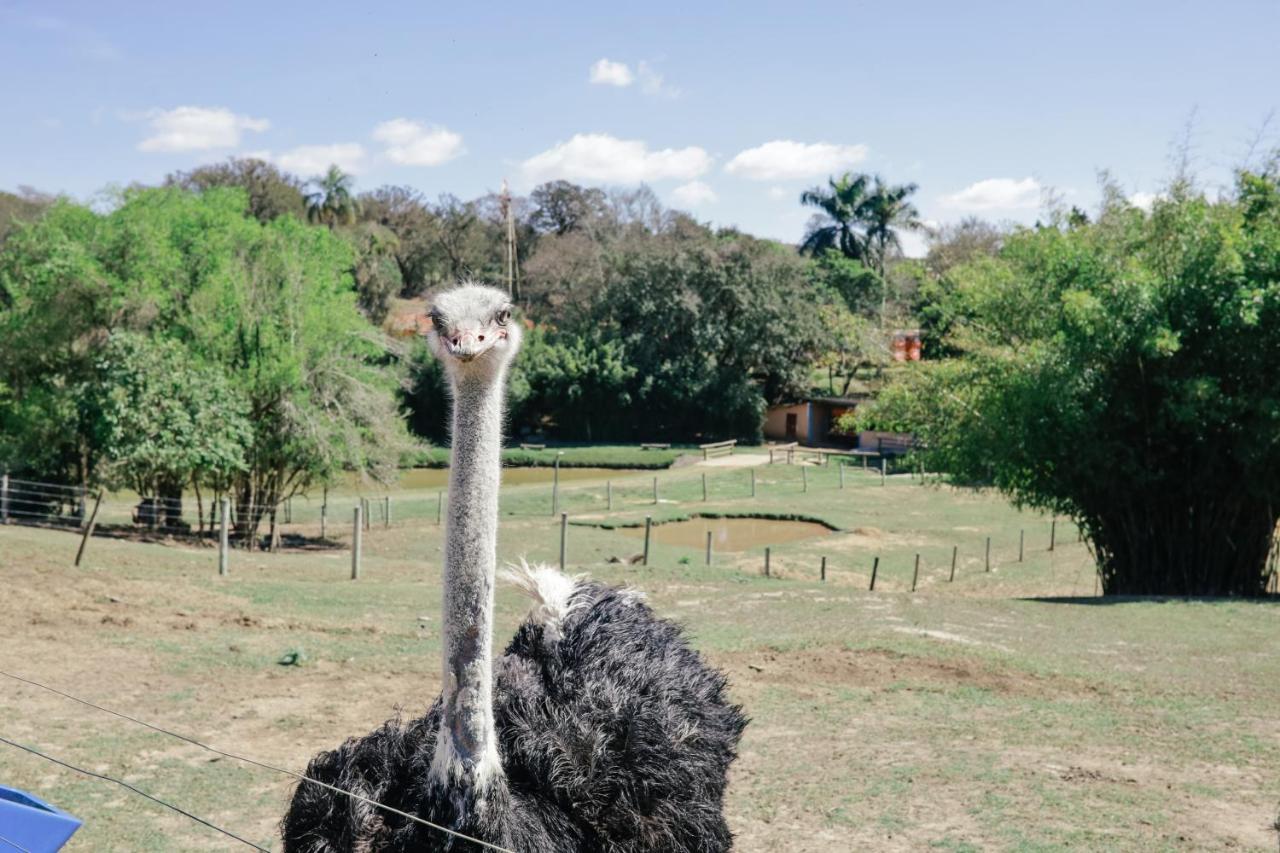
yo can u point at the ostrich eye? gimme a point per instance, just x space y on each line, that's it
437 322
502 316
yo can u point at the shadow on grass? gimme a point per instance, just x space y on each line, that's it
1095 600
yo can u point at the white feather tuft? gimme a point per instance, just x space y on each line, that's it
551 591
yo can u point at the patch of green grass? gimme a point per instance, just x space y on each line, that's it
576 456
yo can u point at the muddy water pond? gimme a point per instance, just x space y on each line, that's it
730 534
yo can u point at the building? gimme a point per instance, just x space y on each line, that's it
810 421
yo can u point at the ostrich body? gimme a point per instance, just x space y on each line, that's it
597 729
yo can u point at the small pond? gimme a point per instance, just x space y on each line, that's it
730 534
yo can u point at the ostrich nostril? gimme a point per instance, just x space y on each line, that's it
481 338
455 341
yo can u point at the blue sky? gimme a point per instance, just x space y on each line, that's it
728 110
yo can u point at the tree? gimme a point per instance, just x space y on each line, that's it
271 306
376 271
715 327
861 289
841 225
406 214
560 207
851 343
1121 372
332 202
163 422
271 192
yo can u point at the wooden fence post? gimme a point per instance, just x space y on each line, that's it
766 562
915 576
883 464
708 547
842 475
224 536
988 553
555 486
875 567
324 518
954 550
1022 538
1053 532
822 572
386 511
564 533
608 494
704 486
753 481
88 528
655 490
439 505
368 514
648 525
357 529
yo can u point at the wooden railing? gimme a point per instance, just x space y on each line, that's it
718 448
783 448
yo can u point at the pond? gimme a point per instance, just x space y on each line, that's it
730 534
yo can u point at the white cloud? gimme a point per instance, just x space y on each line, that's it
197 128
1143 200
996 194
310 160
779 193
412 143
600 158
693 194
784 159
606 72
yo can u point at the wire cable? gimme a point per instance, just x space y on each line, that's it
256 763
137 791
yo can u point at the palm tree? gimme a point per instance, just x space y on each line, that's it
841 223
332 203
884 213
862 218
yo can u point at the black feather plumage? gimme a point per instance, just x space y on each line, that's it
617 736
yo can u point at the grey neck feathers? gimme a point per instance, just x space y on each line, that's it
466 748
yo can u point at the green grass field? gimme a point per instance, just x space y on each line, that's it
1004 710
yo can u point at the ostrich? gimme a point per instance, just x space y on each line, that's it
598 729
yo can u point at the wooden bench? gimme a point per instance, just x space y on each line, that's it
655 445
718 448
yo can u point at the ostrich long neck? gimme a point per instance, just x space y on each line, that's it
466 749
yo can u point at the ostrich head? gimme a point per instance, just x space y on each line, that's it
473 332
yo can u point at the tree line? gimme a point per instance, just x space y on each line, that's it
222 334
1120 370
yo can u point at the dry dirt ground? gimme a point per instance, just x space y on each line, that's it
988 714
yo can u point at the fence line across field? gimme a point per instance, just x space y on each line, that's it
33 500
209 527
235 757
636 491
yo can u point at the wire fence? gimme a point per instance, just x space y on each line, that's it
331 520
301 778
